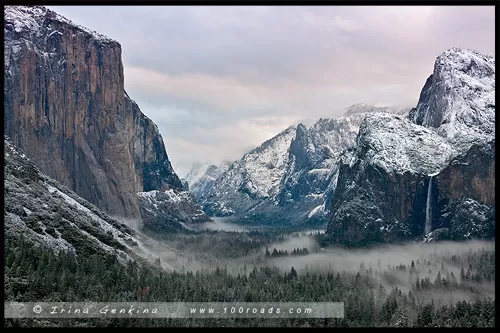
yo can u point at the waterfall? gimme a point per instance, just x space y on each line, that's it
428 217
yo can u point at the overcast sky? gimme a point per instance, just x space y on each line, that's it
220 80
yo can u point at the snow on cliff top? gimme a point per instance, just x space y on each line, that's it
259 170
470 77
468 107
31 18
461 60
398 145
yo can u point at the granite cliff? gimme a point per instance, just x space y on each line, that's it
65 105
428 175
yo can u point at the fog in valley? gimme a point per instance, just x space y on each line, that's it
238 250
221 224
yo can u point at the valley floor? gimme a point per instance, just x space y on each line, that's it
442 284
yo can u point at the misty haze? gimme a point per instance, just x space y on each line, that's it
257 155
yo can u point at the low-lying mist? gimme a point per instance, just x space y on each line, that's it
391 265
402 266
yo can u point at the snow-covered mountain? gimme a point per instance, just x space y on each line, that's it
430 173
202 175
250 180
382 182
310 176
458 99
397 145
197 171
289 178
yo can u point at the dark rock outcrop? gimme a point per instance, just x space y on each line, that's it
364 214
170 210
465 194
152 167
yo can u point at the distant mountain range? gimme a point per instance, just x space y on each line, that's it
289 179
378 173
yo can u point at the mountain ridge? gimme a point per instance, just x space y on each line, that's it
302 176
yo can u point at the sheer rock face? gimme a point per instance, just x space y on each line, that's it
465 194
65 106
152 166
382 185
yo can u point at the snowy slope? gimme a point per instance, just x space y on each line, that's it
30 19
289 177
49 214
256 176
170 210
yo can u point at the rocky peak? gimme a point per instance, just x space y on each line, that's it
299 146
254 177
466 61
197 171
458 99
201 177
433 172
